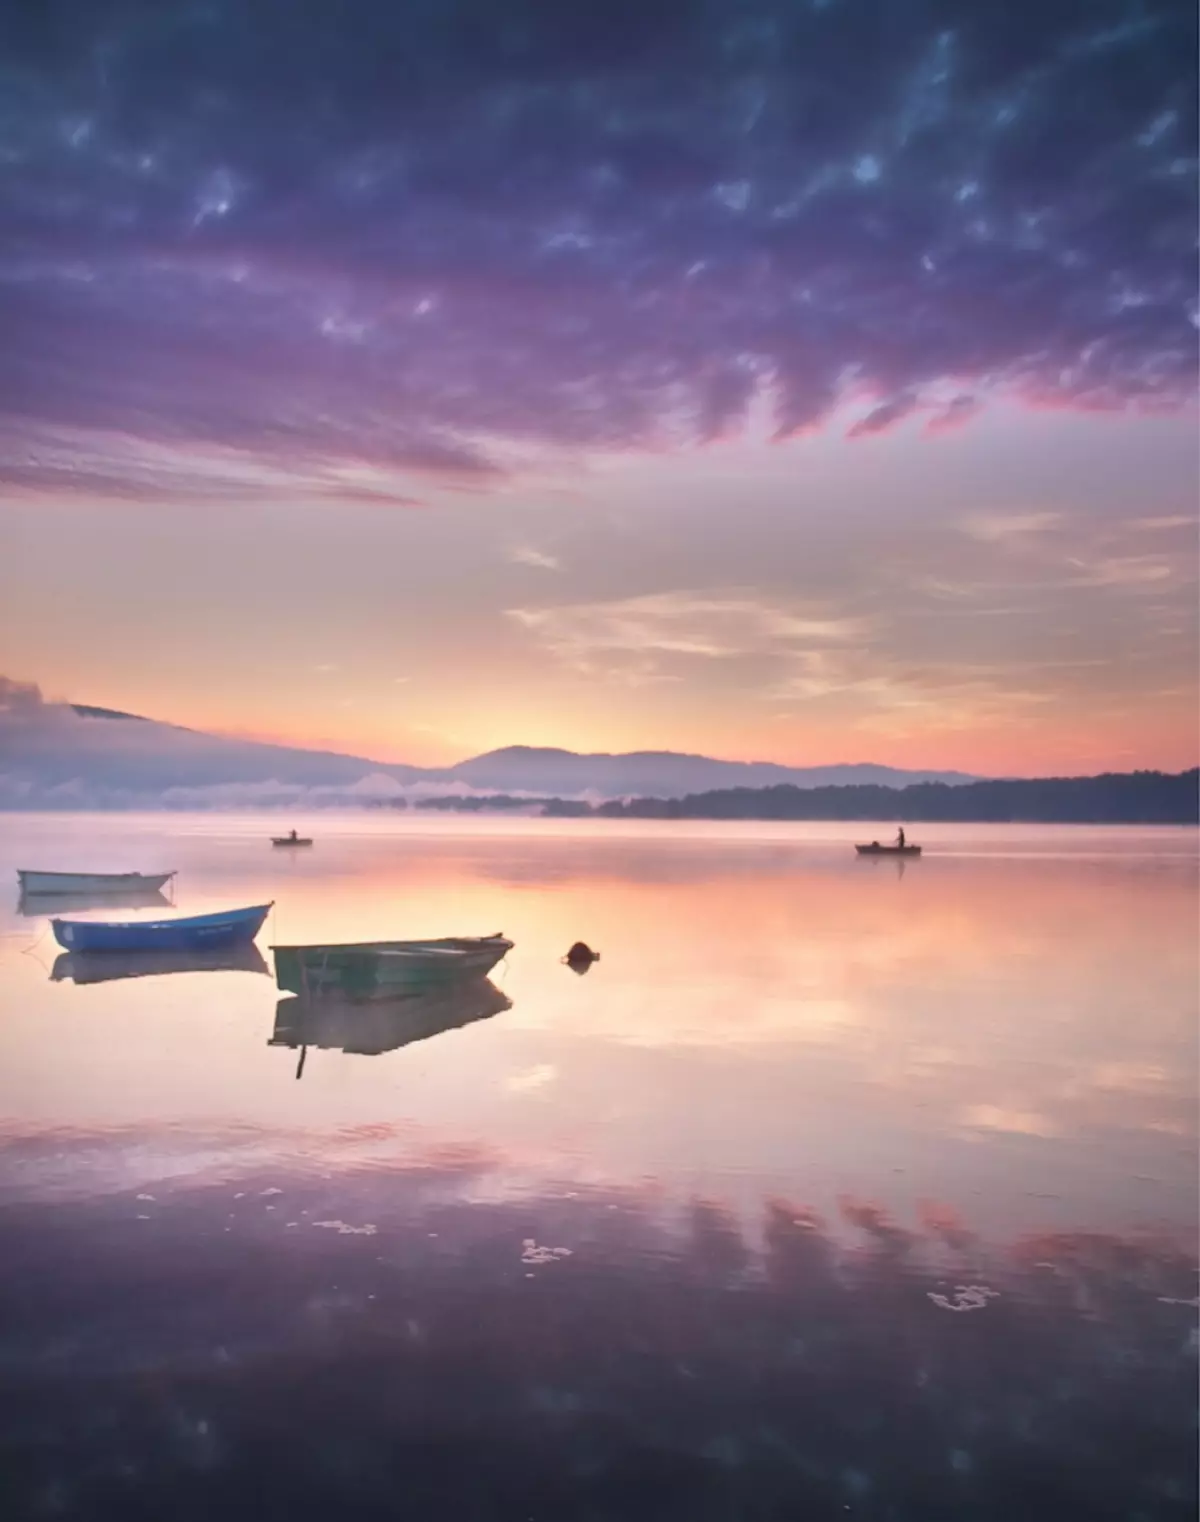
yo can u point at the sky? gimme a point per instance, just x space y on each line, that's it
798 382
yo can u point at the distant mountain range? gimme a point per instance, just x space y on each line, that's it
78 755
661 774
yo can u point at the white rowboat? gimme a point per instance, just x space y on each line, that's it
92 882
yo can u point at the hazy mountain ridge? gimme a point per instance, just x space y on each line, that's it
78 755
663 774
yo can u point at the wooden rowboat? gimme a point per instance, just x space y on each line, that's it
98 883
384 969
196 932
875 849
291 840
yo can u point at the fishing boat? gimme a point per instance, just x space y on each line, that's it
45 905
291 840
194 932
98 883
107 966
369 1029
383 969
875 849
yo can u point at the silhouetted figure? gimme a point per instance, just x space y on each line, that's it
900 837
293 836
580 957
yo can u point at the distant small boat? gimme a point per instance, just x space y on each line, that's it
195 932
875 849
291 840
92 882
384 969
106 966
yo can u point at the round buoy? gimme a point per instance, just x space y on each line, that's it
580 957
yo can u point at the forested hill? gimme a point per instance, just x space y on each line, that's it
1115 798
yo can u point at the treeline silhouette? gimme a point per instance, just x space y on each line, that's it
1113 798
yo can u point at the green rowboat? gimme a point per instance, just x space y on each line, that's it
384 969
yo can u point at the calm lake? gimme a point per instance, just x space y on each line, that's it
836 1188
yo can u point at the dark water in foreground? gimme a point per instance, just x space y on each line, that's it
831 1191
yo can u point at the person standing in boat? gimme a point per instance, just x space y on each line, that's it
900 837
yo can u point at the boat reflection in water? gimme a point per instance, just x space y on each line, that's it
38 905
368 1028
107 966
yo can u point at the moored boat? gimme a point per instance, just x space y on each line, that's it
106 966
383 969
875 849
195 932
97 883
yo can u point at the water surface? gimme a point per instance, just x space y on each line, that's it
834 1188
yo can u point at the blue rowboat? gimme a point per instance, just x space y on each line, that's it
196 932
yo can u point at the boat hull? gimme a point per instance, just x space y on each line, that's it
874 850
283 841
97 883
384 969
194 933
46 905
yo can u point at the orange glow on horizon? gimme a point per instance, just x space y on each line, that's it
1044 751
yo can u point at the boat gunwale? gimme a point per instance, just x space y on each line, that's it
444 943
183 921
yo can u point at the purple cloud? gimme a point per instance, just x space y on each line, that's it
955 414
885 416
435 242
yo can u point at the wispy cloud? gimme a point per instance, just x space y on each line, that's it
1121 571
1160 525
1009 528
885 416
956 413
539 559
706 626
127 463
531 1079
